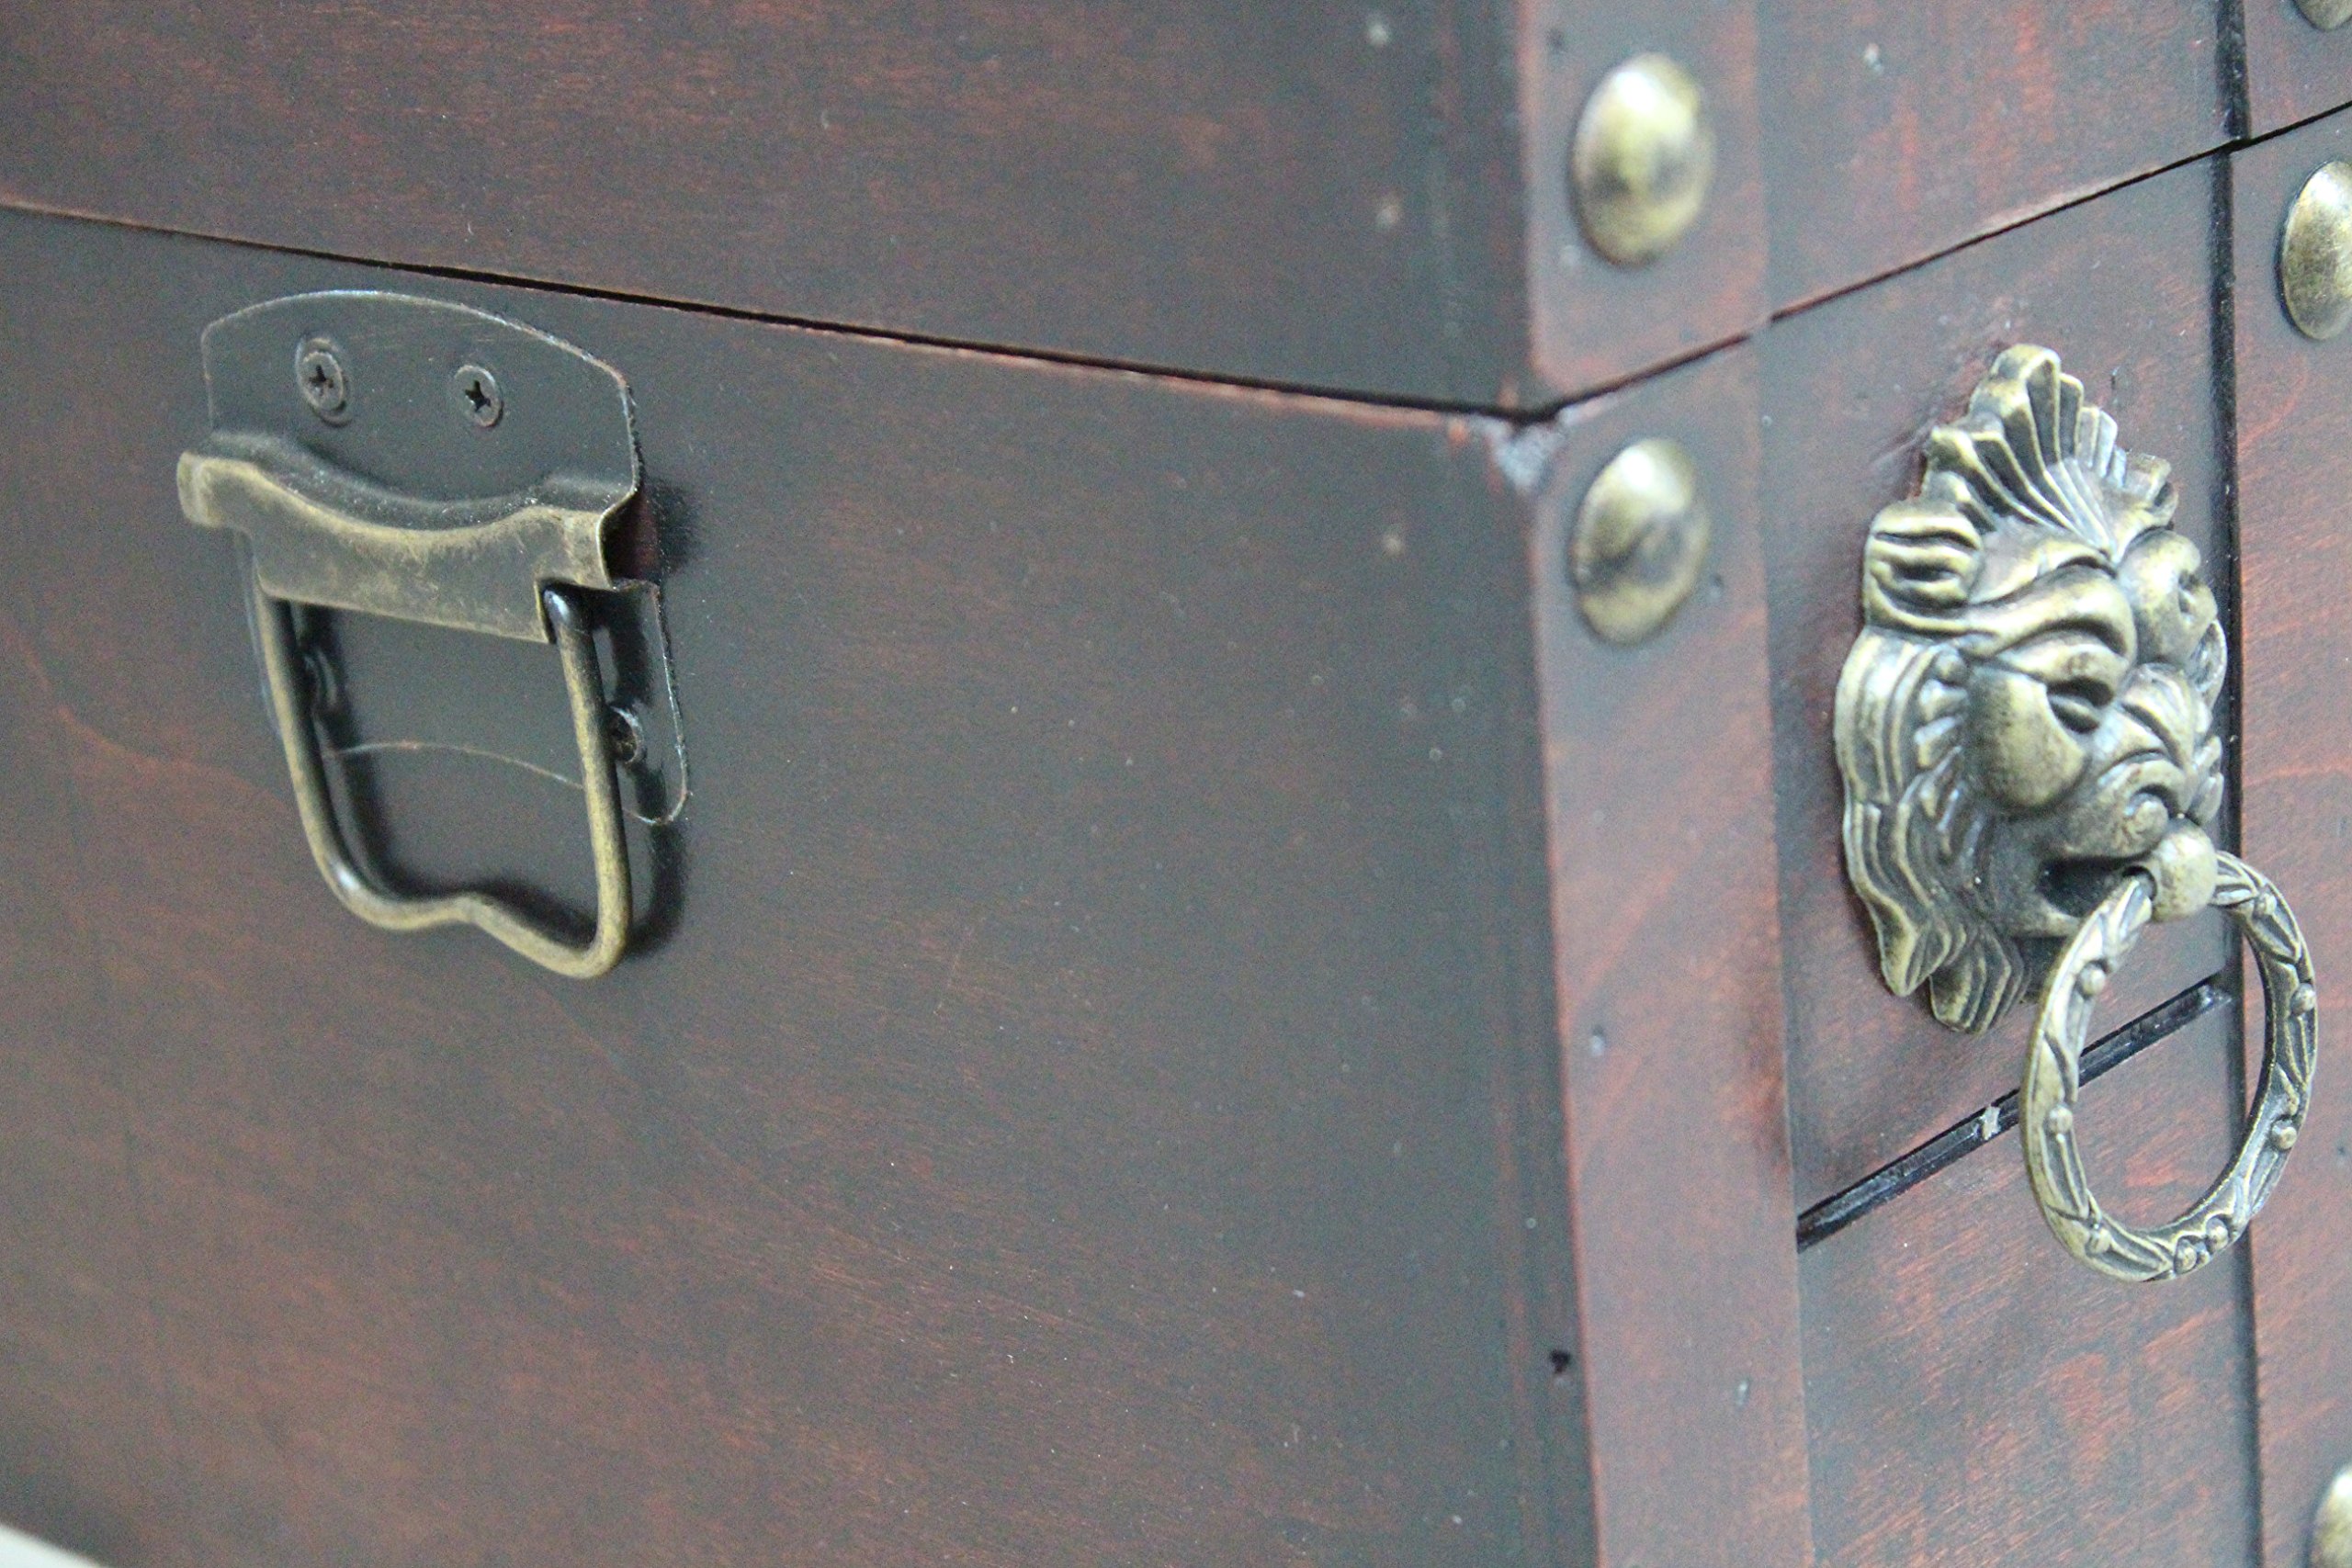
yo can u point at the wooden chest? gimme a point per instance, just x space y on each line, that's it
1215 644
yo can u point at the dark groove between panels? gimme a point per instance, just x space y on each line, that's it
1075 359
1888 1182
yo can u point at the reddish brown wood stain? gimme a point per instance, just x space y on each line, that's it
1259 191
1977 1397
1196 1015
1658 764
2121 289
2294 407
1320 193
1896 131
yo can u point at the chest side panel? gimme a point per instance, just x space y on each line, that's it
1976 1395
1066 1112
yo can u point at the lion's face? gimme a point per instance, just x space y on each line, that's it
2029 712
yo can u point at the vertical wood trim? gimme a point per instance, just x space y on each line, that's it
1658 772
2295 650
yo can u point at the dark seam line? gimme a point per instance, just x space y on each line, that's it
1542 415
2228 523
2229 147
1814 301
1007 354
1834 1214
2232 143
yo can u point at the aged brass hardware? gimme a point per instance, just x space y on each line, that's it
2047 1111
2027 734
1643 160
318 370
2030 706
2315 252
2332 1528
416 494
1640 541
476 391
2325 14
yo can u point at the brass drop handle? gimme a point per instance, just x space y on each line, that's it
500 523
2025 730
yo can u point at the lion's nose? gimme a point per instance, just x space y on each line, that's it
2161 717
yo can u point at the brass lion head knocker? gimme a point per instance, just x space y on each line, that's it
2026 728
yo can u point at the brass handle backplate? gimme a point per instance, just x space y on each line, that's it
426 462
2026 728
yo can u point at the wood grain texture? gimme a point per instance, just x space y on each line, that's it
1659 762
2120 289
85 1397
1895 131
2293 70
1977 1397
1588 321
1323 193
2295 572
1096 1099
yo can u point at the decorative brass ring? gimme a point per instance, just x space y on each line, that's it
2027 730
2054 1079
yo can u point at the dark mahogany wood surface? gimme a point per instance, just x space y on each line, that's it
1082 1105
1586 320
2293 70
2294 408
1978 1397
2121 289
1196 1014
1898 130
1328 194
1262 191
1659 763
1323 193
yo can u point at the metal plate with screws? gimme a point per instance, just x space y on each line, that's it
426 505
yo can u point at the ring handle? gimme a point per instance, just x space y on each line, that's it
2047 1110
